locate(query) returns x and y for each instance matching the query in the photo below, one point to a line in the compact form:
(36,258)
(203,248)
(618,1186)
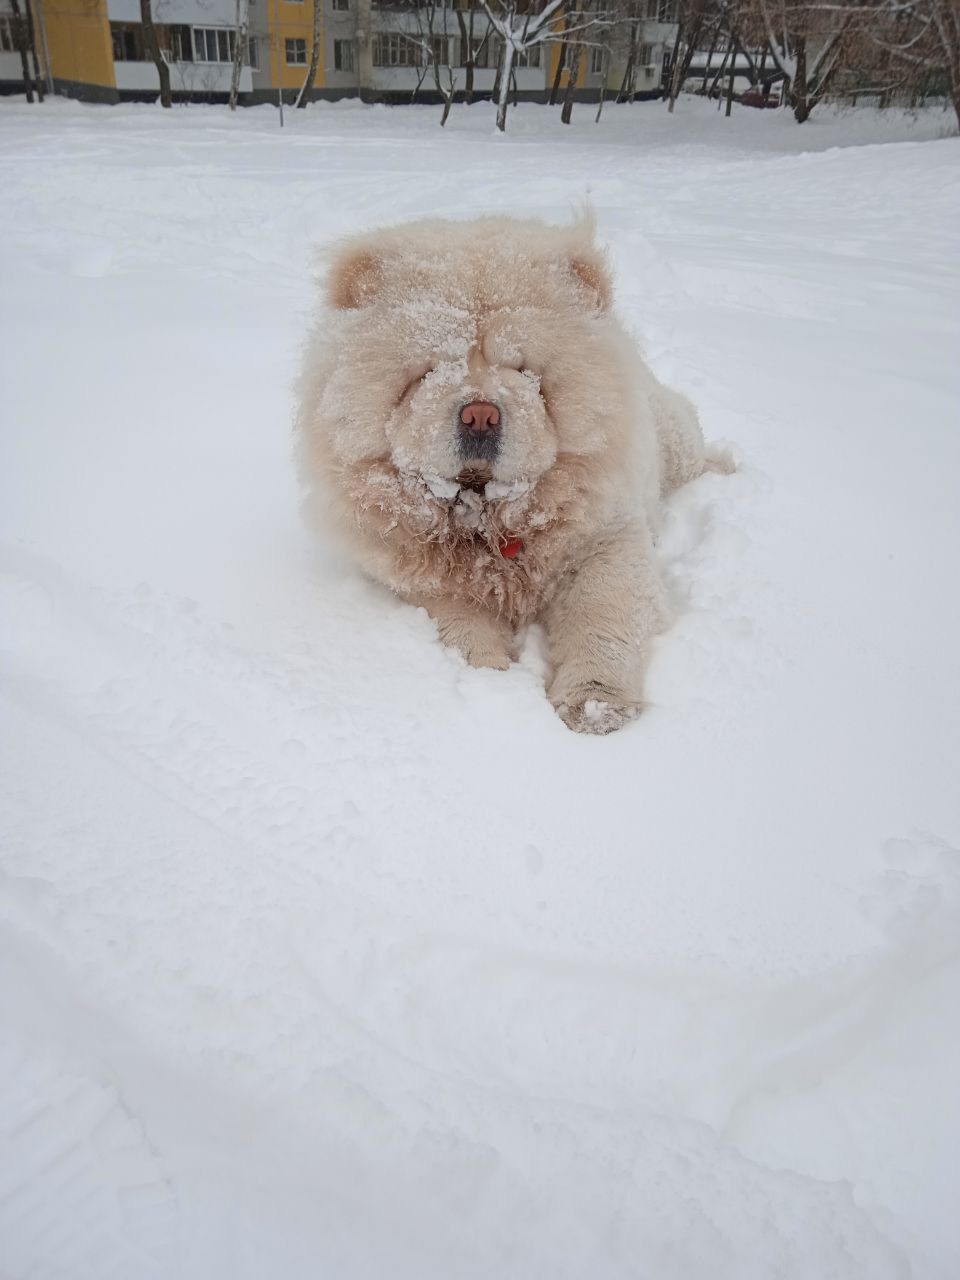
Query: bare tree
(945,19)
(604,69)
(153,48)
(922,40)
(306,89)
(731,78)
(440,42)
(239,49)
(575,67)
(808,43)
(471,49)
(429,43)
(520,31)
(693,19)
(580,24)
(25,39)
(633,19)
(561,59)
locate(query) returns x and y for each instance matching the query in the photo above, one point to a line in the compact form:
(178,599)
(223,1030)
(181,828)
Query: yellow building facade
(95,49)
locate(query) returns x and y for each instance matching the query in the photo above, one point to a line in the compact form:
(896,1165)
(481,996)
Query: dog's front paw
(483,642)
(479,652)
(595,710)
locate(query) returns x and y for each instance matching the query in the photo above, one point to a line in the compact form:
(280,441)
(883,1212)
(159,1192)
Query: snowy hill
(322,954)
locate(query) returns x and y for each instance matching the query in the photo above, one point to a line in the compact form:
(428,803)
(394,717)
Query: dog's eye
(412,385)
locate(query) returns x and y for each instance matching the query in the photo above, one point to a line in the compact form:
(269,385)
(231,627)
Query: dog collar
(510,548)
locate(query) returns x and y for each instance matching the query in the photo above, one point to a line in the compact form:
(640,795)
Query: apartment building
(376,49)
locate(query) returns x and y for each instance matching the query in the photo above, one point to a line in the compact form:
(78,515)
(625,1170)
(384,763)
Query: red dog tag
(510,548)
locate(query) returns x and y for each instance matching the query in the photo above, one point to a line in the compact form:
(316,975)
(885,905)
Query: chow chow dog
(493,447)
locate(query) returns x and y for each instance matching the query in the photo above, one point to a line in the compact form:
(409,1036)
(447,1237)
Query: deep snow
(324,955)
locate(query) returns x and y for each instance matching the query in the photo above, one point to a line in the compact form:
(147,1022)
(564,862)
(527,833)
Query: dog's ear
(353,279)
(592,274)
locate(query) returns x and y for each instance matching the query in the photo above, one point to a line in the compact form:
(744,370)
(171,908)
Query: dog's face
(467,352)
(475,401)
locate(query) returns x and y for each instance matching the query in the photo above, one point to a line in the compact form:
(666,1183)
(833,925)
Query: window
(181,44)
(646,55)
(209,44)
(343,55)
(7,42)
(341,6)
(127,41)
(666,11)
(392,49)
(488,54)
(597,60)
(213,44)
(296,53)
(395,49)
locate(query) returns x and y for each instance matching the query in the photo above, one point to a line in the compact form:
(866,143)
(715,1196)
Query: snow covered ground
(322,955)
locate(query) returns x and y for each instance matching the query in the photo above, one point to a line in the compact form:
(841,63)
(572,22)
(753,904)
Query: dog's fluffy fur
(423,319)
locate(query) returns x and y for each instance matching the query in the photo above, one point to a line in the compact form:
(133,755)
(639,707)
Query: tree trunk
(561,63)
(422,70)
(571,89)
(946,20)
(303,97)
(466,42)
(733,75)
(798,87)
(673,88)
(676,76)
(719,76)
(624,92)
(20,37)
(681,71)
(603,88)
(153,48)
(240,44)
(32,46)
(23,38)
(25,71)
(713,48)
(365,78)
(503,76)
(445,93)
(558,75)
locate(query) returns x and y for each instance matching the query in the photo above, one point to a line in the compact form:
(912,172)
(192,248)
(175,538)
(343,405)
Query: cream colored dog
(494,448)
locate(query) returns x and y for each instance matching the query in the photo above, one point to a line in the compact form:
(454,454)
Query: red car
(754,97)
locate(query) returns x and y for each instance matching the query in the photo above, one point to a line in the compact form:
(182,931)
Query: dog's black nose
(480,429)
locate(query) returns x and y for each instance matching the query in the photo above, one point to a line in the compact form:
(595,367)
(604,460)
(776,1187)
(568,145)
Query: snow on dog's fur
(550,516)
